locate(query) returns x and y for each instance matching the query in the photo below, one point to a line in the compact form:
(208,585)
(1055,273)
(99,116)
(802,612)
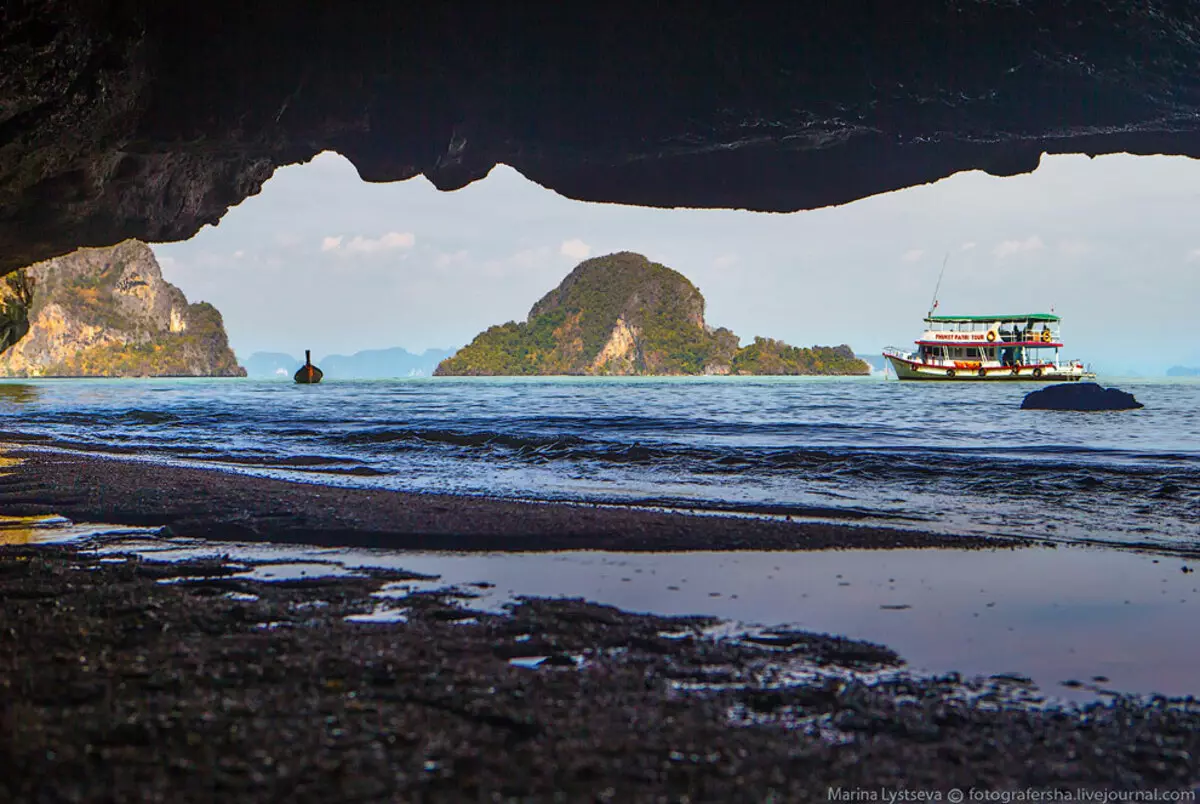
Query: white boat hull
(907,368)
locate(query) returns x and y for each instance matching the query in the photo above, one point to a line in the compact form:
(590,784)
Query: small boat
(308,374)
(989,348)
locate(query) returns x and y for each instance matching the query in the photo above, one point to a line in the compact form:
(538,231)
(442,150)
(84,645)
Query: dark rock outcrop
(122,118)
(1085,396)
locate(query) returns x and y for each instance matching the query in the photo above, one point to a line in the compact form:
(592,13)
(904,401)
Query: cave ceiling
(129,118)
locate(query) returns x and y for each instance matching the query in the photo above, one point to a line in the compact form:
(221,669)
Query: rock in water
(1079,396)
(108,312)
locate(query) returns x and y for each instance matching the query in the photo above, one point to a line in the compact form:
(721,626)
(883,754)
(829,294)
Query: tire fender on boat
(949,372)
(1037,372)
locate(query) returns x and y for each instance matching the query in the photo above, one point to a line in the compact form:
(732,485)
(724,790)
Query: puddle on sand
(1101,618)
(381,614)
(1096,618)
(294,570)
(51,529)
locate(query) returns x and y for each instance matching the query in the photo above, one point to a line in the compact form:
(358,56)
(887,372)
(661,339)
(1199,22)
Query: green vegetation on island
(768,356)
(623,315)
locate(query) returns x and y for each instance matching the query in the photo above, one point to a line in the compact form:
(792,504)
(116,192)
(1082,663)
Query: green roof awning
(986,318)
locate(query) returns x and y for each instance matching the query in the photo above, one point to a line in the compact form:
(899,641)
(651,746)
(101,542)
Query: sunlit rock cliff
(623,315)
(108,312)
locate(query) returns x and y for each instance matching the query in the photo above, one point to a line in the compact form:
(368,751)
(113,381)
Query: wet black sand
(118,687)
(219,505)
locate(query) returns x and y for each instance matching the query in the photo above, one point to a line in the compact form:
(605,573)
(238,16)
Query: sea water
(947,457)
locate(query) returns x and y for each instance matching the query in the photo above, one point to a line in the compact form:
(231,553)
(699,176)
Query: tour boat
(989,348)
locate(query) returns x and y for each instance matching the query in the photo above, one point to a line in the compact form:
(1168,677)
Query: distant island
(368,364)
(623,315)
(1183,371)
(108,312)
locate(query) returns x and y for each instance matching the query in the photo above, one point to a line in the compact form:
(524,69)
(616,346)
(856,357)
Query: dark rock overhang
(131,118)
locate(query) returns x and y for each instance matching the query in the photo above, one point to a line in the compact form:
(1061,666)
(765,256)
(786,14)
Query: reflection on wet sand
(1074,620)
(53,529)
(18,529)
(7,462)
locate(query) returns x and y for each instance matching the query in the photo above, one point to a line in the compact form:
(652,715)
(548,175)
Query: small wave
(457,438)
(318,462)
(135,417)
(148,417)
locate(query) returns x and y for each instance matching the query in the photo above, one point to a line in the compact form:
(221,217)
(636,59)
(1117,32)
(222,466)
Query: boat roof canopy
(969,318)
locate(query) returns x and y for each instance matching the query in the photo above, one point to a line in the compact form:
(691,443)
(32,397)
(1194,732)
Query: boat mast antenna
(933,305)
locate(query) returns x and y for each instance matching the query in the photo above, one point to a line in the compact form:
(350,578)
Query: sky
(322,260)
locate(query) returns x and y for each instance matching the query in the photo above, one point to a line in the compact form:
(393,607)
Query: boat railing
(1030,337)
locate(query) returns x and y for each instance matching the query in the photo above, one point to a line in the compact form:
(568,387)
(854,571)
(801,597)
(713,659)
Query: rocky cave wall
(131,118)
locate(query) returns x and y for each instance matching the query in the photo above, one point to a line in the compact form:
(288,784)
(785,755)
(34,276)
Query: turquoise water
(948,457)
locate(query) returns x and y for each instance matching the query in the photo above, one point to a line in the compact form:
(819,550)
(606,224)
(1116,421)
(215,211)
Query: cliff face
(108,312)
(149,120)
(624,315)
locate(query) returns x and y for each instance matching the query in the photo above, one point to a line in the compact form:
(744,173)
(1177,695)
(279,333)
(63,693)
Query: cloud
(526,261)
(237,255)
(1074,248)
(1010,247)
(368,245)
(391,240)
(576,249)
(445,260)
(912,255)
(968,246)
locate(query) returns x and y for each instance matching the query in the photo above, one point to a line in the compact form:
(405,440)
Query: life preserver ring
(949,372)
(1046,336)
(982,372)
(1037,372)
(991,336)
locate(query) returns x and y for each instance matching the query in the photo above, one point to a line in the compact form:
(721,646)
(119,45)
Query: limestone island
(623,315)
(108,312)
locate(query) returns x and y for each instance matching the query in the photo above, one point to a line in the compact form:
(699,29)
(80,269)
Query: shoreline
(209,503)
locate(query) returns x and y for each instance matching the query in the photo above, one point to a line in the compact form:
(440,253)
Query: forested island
(108,312)
(622,314)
